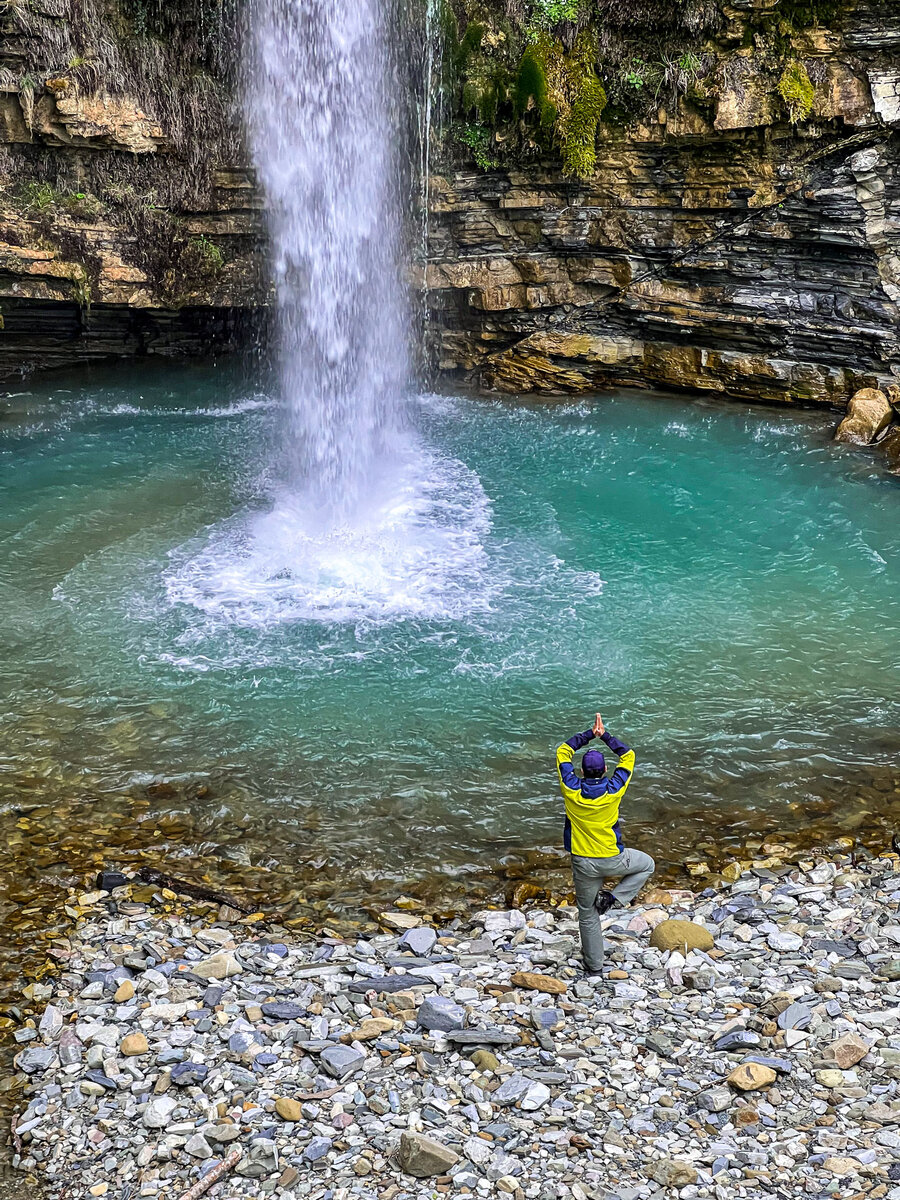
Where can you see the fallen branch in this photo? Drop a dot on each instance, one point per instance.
(227, 1164)
(195, 890)
(14, 1132)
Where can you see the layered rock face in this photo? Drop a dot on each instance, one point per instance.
(720, 247)
(129, 222)
(740, 237)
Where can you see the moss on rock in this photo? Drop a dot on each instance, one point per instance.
(796, 90)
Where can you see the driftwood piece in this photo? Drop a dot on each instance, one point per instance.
(14, 1133)
(203, 1185)
(196, 890)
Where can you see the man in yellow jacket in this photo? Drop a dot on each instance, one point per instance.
(593, 836)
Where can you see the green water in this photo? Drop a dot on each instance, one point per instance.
(722, 582)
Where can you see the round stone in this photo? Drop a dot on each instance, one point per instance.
(133, 1045)
(288, 1110)
(751, 1076)
(681, 935)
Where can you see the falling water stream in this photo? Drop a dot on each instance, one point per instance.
(323, 109)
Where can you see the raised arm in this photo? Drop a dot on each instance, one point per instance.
(625, 769)
(564, 755)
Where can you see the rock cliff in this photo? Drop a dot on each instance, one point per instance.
(700, 194)
(129, 222)
(717, 244)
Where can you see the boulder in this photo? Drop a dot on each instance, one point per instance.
(133, 1045)
(399, 920)
(219, 966)
(847, 1051)
(371, 1028)
(341, 1061)
(531, 981)
(672, 1172)
(868, 414)
(422, 1156)
(751, 1076)
(511, 1090)
(442, 1014)
(198, 1147)
(681, 935)
(830, 1078)
(420, 941)
(485, 1061)
(839, 1164)
(159, 1111)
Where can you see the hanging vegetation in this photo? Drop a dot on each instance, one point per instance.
(563, 89)
(796, 90)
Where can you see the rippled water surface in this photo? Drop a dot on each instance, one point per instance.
(185, 665)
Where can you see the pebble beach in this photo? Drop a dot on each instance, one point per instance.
(743, 1042)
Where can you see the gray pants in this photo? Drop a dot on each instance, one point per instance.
(635, 868)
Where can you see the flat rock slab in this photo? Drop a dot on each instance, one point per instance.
(389, 983)
(283, 1010)
(341, 1061)
(482, 1037)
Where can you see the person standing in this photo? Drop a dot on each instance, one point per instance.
(593, 836)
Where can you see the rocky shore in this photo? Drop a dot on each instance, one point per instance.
(743, 1042)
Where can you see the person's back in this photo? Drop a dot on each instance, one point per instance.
(593, 835)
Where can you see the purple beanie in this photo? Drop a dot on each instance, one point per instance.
(593, 764)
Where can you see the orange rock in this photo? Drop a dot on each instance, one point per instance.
(750, 1077)
(539, 983)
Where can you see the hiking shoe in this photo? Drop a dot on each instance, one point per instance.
(604, 902)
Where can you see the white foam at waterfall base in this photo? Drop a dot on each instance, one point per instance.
(417, 552)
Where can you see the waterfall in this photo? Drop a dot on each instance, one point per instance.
(367, 522)
(324, 108)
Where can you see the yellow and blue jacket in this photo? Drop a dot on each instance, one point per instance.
(592, 805)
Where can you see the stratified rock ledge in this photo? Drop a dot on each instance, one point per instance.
(768, 1065)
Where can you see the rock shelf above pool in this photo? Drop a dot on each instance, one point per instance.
(487, 1065)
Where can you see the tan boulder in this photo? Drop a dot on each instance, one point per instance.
(847, 1051)
(673, 1173)
(830, 1078)
(484, 1060)
(218, 966)
(133, 1045)
(681, 935)
(124, 992)
(838, 1164)
(533, 982)
(868, 414)
(751, 1076)
(400, 921)
(288, 1110)
(371, 1028)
